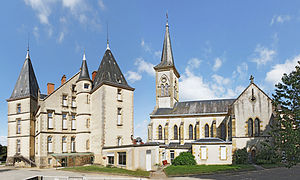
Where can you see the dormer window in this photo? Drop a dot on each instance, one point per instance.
(86, 85)
(18, 108)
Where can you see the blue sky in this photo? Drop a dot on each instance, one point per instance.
(216, 45)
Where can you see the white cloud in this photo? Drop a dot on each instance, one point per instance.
(43, 8)
(241, 71)
(133, 76)
(63, 20)
(157, 53)
(275, 74)
(144, 66)
(36, 32)
(220, 79)
(61, 37)
(101, 4)
(280, 19)
(263, 55)
(218, 64)
(145, 46)
(3, 140)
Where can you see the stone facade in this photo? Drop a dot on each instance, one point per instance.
(72, 123)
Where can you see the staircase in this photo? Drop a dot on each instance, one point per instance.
(19, 157)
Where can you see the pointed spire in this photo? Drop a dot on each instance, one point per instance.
(84, 72)
(27, 55)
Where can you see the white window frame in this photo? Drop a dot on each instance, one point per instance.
(65, 100)
(203, 152)
(73, 124)
(64, 121)
(50, 120)
(18, 126)
(223, 152)
(119, 118)
(73, 102)
(49, 144)
(64, 144)
(73, 144)
(119, 141)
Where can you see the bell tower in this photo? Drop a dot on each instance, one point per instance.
(167, 76)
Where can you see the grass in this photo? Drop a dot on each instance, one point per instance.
(110, 170)
(204, 169)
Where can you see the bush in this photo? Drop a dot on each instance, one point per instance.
(240, 156)
(267, 155)
(184, 158)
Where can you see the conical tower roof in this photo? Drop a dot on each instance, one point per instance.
(110, 73)
(84, 72)
(26, 84)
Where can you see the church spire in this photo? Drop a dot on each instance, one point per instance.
(107, 41)
(84, 72)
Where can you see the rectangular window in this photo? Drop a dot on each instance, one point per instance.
(122, 158)
(172, 155)
(119, 141)
(18, 126)
(73, 102)
(73, 87)
(73, 122)
(119, 96)
(64, 144)
(18, 145)
(203, 152)
(111, 160)
(65, 100)
(223, 152)
(49, 144)
(50, 120)
(119, 121)
(49, 161)
(64, 121)
(73, 144)
(18, 108)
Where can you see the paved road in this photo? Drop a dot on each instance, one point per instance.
(266, 174)
(52, 174)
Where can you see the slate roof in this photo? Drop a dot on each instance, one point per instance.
(179, 146)
(26, 84)
(196, 107)
(109, 72)
(84, 72)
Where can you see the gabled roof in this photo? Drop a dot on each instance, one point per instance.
(84, 72)
(110, 73)
(26, 84)
(201, 107)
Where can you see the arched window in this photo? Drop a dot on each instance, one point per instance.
(212, 130)
(167, 90)
(175, 132)
(230, 129)
(179, 133)
(190, 131)
(206, 130)
(49, 142)
(195, 131)
(159, 132)
(223, 131)
(256, 127)
(250, 127)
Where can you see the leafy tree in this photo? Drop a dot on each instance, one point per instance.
(286, 129)
(3, 151)
(240, 156)
(267, 154)
(184, 158)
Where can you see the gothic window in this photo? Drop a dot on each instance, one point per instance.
(18, 146)
(159, 132)
(175, 132)
(162, 92)
(49, 144)
(206, 130)
(212, 130)
(72, 144)
(223, 131)
(190, 131)
(179, 132)
(195, 130)
(230, 130)
(166, 90)
(164, 86)
(256, 127)
(64, 144)
(250, 127)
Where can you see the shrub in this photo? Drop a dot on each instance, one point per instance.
(240, 156)
(184, 158)
(267, 155)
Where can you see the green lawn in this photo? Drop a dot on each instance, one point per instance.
(110, 170)
(204, 169)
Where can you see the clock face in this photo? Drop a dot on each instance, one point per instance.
(164, 79)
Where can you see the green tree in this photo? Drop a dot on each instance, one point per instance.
(184, 158)
(240, 156)
(286, 130)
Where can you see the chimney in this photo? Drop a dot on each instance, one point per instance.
(63, 79)
(50, 88)
(94, 75)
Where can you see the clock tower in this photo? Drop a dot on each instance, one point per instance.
(166, 76)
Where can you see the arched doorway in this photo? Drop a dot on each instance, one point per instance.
(253, 154)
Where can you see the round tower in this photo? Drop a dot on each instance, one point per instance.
(83, 88)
